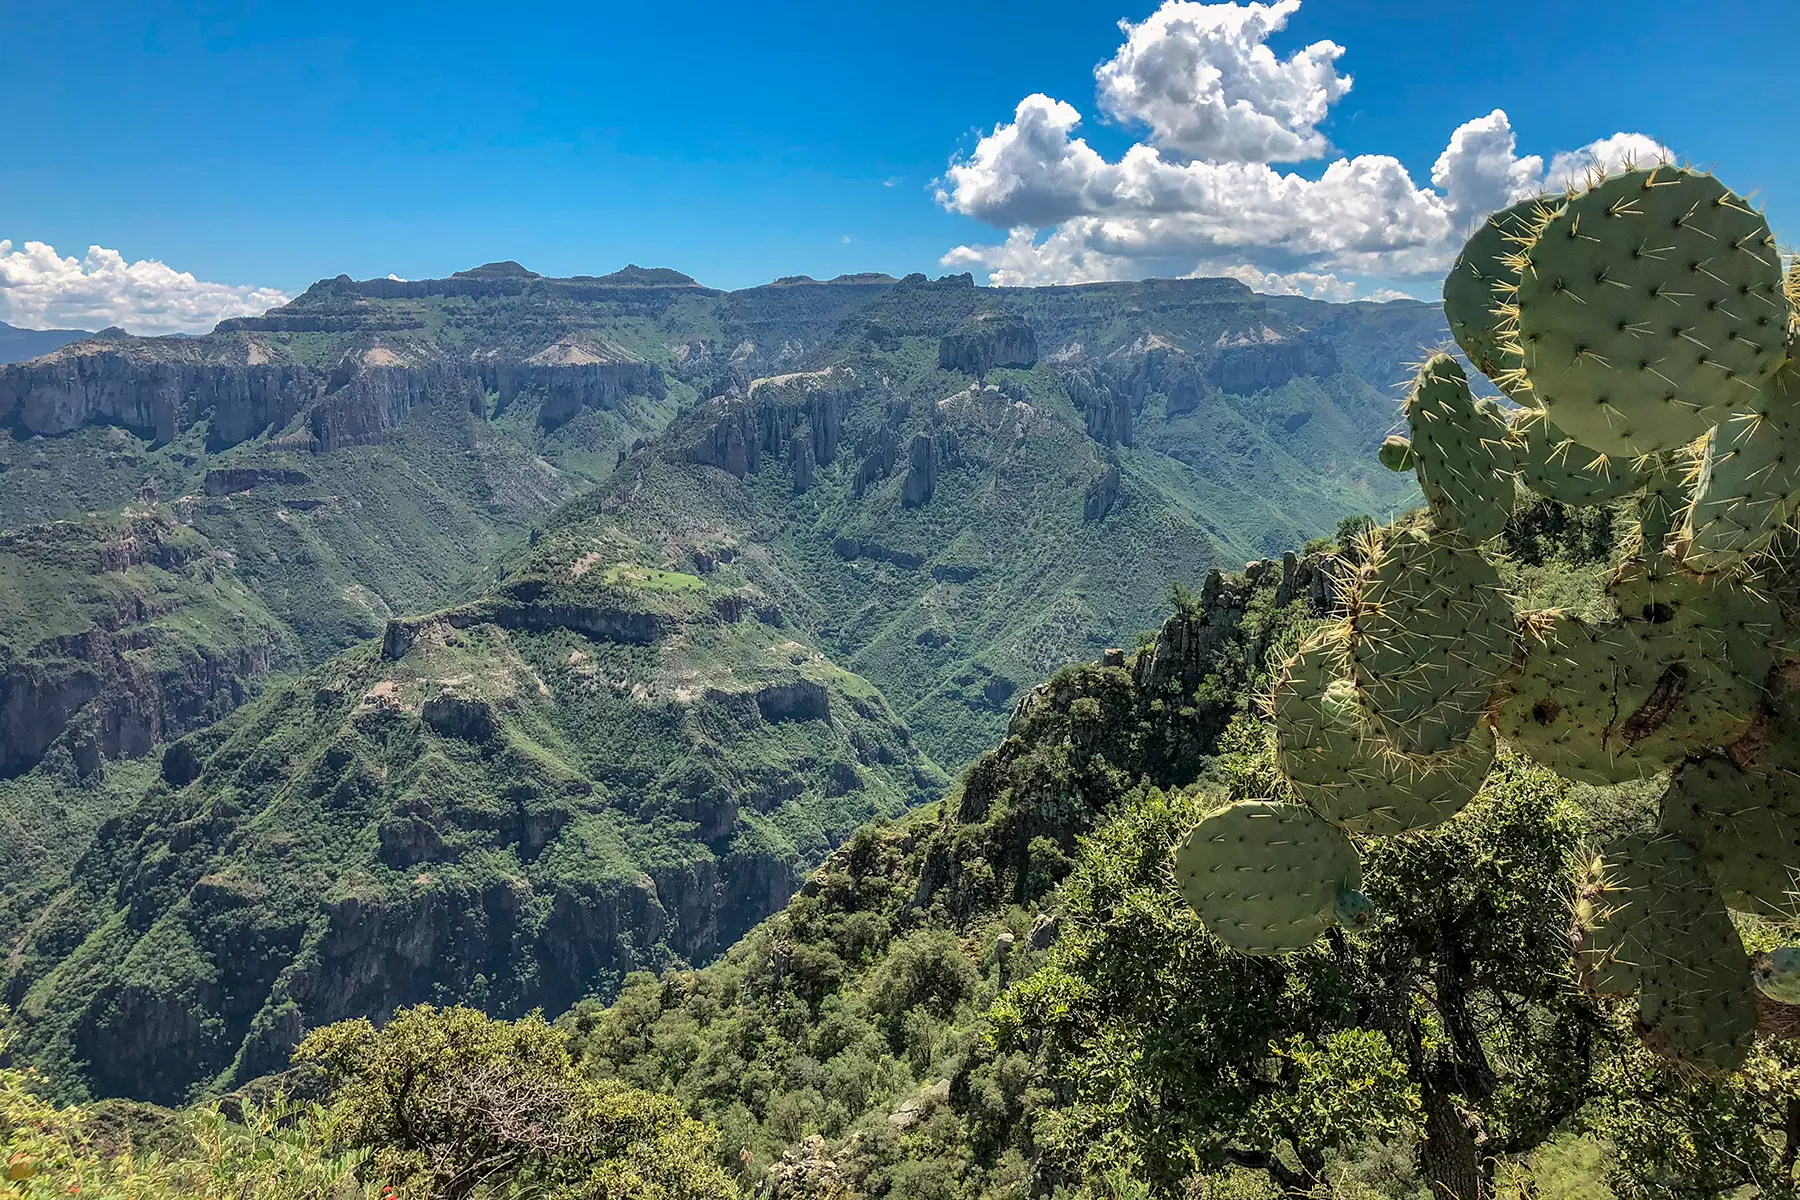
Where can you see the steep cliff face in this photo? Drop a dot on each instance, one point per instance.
(988, 340)
(573, 374)
(606, 764)
(360, 366)
(119, 633)
(734, 432)
(156, 387)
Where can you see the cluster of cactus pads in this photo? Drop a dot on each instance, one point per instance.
(1643, 331)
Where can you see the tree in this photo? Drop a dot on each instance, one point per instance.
(451, 1102)
(1450, 1020)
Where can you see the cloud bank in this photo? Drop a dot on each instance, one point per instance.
(41, 290)
(1199, 193)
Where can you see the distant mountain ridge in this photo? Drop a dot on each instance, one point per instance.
(17, 345)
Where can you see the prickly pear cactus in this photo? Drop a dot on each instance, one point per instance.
(1430, 631)
(1460, 452)
(1647, 309)
(1266, 877)
(1472, 301)
(1647, 327)
(1651, 922)
(1328, 748)
(1557, 467)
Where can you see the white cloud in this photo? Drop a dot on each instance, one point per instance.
(1200, 77)
(845, 239)
(1298, 283)
(1480, 171)
(40, 289)
(1387, 294)
(1615, 153)
(1199, 194)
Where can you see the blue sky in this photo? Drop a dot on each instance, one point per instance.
(272, 145)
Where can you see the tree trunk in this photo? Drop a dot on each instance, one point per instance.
(1450, 1156)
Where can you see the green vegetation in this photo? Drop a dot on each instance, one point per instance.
(659, 758)
(510, 803)
(442, 1103)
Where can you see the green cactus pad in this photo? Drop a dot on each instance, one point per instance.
(1353, 910)
(1648, 309)
(1664, 502)
(1746, 825)
(1777, 974)
(1265, 877)
(1430, 632)
(1714, 625)
(1396, 453)
(1609, 703)
(1749, 483)
(1650, 920)
(1460, 452)
(1329, 751)
(1557, 467)
(1470, 300)
(1562, 707)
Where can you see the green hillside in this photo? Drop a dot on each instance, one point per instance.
(588, 615)
(605, 764)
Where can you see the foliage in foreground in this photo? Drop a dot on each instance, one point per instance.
(441, 1103)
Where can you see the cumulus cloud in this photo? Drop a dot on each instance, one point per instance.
(1199, 193)
(40, 289)
(1200, 77)
(1297, 283)
(1616, 153)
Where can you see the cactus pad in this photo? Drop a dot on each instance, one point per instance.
(1396, 453)
(1431, 631)
(1713, 624)
(1353, 910)
(1608, 703)
(1777, 974)
(1470, 300)
(1746, 824)
(1460, 452)
(1329, 751)
(1648, 309)
(1664, 502)
(1749, 483)
(1557, 467)
(1651, 921)
(1265, 877)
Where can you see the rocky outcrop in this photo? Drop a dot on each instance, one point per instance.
(1101, 494)
(571, 375)
(371, 398)
(154, 387)
(1245, 368)
(734, 433)
(223, 481)
(921, 472)
(167, 646)
(800, 462)
(985, 341)
(465, 718)
(878, 463)
(1108, 406)
(794, 700)
(1187, 648)
(159, 387)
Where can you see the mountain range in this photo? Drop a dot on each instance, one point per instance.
(486, 639)
(17, 345)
